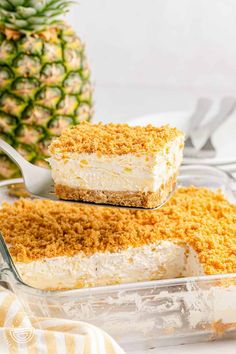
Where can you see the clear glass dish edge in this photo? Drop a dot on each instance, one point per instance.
(186, 170)
(97, 296)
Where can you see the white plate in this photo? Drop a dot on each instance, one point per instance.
(224, 138)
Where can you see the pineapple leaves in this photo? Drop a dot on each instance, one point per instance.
(16, 3)
(20, 23)
(29, 16)
(6, 5)
(26, 11)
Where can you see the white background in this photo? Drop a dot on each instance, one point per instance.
(149, 56)
(161, 43)
(157, 55)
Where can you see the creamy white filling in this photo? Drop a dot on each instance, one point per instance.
(158, 261)
(118, 172)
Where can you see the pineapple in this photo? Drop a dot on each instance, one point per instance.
(44, 78)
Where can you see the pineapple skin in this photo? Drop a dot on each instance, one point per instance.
(44, 88)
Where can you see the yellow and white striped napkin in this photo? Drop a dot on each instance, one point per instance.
(22, 334)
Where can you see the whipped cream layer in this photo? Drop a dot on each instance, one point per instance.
(118, 172)
(150, 262)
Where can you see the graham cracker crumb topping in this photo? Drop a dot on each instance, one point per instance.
(37, 229)
(113, 139)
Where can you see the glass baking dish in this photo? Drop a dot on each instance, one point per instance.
(143, 315)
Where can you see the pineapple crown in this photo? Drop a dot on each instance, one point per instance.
(28, 16)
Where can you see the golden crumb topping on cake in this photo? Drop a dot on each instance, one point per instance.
(36, 229)
(113, 139)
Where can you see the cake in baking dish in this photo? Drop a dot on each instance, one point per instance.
(59, 245)
(116, 163)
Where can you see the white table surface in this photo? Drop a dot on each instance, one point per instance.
(116, 104)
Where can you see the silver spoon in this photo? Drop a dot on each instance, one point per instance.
(38, 181)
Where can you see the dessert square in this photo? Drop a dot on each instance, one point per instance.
(116, 163)
(64, 246)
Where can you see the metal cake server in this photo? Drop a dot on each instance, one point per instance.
(39, 183)
(227, 107)
(203, 106)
